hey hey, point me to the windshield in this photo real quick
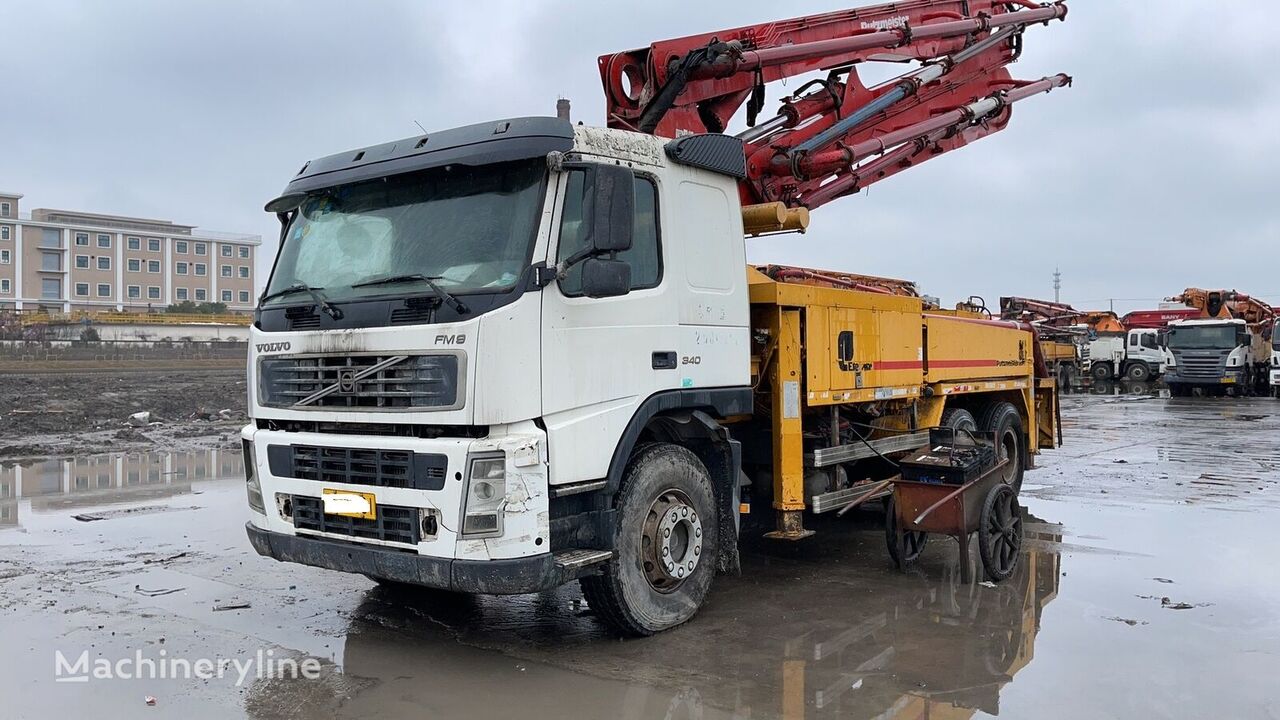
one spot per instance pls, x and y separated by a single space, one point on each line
471 229
1203 337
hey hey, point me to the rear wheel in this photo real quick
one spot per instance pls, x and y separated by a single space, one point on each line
664 544
959 419
1138 371
1003 420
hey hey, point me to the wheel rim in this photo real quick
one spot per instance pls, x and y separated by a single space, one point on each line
1004 532
1008 450
671 545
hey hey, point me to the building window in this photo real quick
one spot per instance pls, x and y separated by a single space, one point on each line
82 289
135 265
181 293
226 251
5 209
51 288
82 262
4 232
51 238
226 271
82 239
153 266
226 296
244 251
202 249
201 294
153 293
153 244
5 257
104 241
51 262
244 296
244 271
4 286
181 268
134 292
135 243
201 270
104 262
104 290
180 246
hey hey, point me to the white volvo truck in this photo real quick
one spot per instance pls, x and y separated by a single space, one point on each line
425 418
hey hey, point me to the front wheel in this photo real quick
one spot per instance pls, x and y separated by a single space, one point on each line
664 544
1138 372
1101 371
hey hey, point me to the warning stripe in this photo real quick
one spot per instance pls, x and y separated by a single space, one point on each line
933 364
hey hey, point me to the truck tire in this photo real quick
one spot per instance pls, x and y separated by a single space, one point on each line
1101 371
664 544
1004 420
959 419
1138 371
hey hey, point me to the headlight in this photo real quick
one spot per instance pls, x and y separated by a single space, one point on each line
252 486
486 493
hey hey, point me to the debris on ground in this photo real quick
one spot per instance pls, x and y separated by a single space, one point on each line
85 517
1127 621
150 700
140 419
232 606
1163 580
987 584
156 593
164 559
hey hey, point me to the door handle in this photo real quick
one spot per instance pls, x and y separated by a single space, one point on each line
664 361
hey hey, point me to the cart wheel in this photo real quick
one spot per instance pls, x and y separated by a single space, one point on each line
1000 532
904 545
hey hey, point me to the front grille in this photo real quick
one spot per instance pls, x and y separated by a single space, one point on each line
361 381
359 466
302 317
1201 366
392 524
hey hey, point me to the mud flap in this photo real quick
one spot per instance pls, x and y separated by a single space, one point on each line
1048 414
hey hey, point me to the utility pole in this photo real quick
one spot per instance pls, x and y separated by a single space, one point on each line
1057 285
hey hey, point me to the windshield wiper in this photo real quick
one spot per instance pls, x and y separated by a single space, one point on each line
325 304
448 299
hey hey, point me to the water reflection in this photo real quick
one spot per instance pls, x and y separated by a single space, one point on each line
1127 387
791 638
109 478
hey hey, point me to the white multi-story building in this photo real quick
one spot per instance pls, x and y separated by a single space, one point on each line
66 260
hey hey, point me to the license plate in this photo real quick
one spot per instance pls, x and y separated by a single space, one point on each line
350 504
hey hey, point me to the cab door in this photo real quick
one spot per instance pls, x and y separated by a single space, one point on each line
602 357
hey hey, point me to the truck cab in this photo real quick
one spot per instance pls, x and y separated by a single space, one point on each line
1275 359
1135 355
1217 355
461 327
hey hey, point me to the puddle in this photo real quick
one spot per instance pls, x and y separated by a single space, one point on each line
112 478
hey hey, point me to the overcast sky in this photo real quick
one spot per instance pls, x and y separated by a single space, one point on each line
1156 171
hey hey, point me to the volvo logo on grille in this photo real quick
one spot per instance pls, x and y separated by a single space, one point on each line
346 382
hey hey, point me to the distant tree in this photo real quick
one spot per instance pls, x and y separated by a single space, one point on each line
89 335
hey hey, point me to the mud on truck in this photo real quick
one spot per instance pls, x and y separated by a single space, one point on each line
520 353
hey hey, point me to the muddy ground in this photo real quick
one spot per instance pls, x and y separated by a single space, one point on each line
1147 588
82 413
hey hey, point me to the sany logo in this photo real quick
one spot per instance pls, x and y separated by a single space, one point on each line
886 24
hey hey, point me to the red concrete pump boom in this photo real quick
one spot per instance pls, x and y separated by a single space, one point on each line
835 136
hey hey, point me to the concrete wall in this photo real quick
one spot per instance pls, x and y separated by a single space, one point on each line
65 350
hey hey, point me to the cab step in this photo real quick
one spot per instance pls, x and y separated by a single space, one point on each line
575 560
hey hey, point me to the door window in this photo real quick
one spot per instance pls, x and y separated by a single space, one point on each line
645 254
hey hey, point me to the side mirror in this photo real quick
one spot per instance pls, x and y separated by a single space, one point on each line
605 278
612 194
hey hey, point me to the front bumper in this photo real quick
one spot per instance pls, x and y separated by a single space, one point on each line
1275 378
1231 376
492 577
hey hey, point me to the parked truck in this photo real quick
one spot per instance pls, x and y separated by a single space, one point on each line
1228 350
1096 343
511 355
1136 355
1275 358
